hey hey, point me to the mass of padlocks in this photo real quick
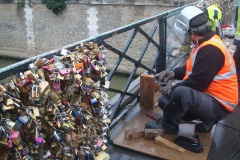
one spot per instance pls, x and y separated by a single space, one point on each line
57 109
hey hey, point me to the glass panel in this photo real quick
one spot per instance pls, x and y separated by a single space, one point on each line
177 44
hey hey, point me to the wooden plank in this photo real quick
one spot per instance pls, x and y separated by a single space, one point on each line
166 143
147 91
134 133
153 114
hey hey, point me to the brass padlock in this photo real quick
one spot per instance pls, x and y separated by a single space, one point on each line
39 63
35 133
2 88
9 102
6 108
65 126
35 92
55 98
19 146
75 100
68 138
81 154
1 97
50 110
96 51
4 140
69 111
40 74
54 144
30 75
60 155
17 154
71 126
11 86
75 144
35 111
43 86
26 130
90 45
29 124
9 126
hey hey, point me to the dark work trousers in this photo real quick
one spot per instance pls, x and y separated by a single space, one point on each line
236 57
189 104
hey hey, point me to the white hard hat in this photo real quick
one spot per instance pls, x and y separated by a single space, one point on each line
183 19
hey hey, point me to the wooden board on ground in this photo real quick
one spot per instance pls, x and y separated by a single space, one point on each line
149 147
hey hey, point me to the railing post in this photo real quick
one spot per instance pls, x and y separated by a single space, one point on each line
161 60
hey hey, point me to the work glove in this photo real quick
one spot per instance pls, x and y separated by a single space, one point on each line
167 90
164 76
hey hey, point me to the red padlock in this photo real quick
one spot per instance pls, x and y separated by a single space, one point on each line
47 68
52 60
24 82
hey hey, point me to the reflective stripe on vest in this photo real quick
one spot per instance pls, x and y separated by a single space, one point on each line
220 90
231 105
233 70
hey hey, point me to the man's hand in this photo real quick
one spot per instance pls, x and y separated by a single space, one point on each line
165 76
167 90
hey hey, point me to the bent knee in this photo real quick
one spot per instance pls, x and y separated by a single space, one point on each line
162 101
181 89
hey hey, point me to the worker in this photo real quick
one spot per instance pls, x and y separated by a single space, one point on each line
208 90
213 12
214 15
236 42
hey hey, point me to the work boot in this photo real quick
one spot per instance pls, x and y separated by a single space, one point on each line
154 124
204 127
160 124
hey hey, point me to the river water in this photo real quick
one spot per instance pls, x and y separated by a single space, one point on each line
117 82
5 62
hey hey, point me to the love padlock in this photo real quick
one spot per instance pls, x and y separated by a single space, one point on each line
25 150
39 139
56 86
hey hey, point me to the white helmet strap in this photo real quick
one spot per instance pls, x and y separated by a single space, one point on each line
199 28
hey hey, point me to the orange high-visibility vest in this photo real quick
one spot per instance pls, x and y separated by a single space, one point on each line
224 86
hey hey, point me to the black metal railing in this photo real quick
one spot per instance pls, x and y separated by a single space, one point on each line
166 42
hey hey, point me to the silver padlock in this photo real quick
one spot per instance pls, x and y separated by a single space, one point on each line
56 136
